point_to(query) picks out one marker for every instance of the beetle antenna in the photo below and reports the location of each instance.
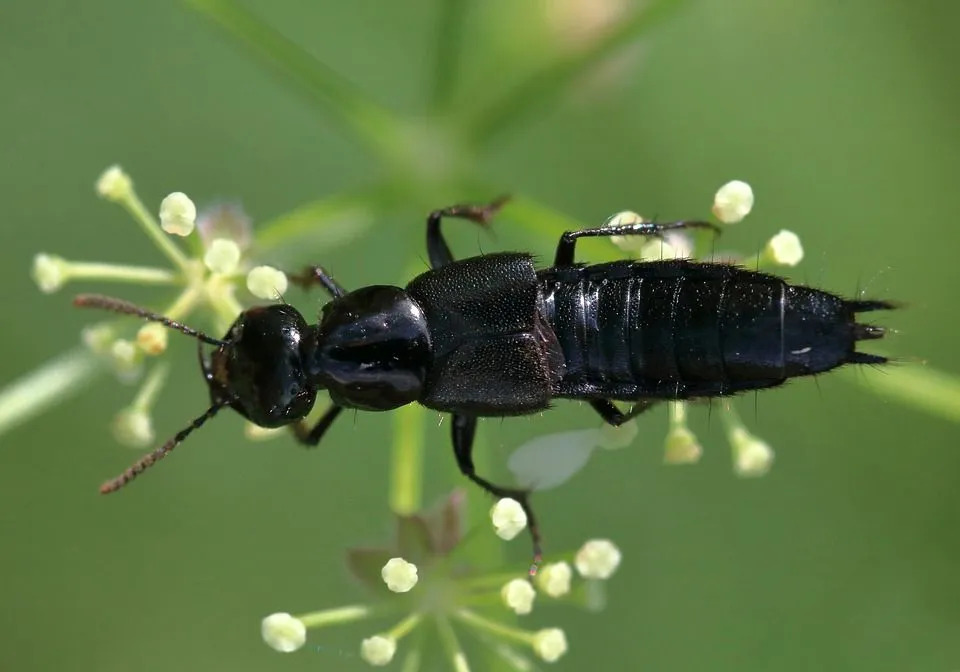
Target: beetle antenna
(155, 456)
(121, 306)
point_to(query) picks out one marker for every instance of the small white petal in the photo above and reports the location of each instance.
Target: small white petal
(99, 338)
(152, 338)
(178, 214)
(733, 201)
(378, 650)
(681, 447)
(785, 248)
(133, 427)
(549, 644)
(626, 243)
(283, 632)
(518, 594)
(597, 559)
(114, 184)
(266, 282)
(508, 518)
(399, 575)
(551, 459)
(618, 437)
(222, 256)
(554, 579)
(751, 456)
(49, 272)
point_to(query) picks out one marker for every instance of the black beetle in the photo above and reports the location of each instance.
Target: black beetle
(494, 336)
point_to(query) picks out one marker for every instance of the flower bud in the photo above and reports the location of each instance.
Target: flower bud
(518, 595)
(133, 427)
(681, 447)
(549, 644)
(266, 282)
(620, 436)
(733, 201)
(597, 559)
(508, 518)
(114, 184)
(178, 214)
(751, 456)
(49, 272)
(222, 256)
(283, 632)
(784, 249)
(626, 243)
(378, 650)
(399, 575)
(152, 338)
(554, 579)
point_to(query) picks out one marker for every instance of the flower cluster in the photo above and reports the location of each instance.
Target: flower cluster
(211, 280)
(443, 589)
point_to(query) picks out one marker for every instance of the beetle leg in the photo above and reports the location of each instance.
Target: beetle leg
(614, 416)
(464, 429)
(437, 248)
(317, 275)
(568, 241)
(311, 437)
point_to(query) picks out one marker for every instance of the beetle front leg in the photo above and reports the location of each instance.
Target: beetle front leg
(317, 275)
(437, 248)
(464, 430)
(568, 241)
(311, 437)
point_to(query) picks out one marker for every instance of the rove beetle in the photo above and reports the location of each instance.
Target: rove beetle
(494, 336)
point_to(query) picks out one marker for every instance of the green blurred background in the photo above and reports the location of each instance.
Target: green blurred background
(843, 117)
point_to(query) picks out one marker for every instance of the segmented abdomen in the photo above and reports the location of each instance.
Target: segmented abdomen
(678, 329)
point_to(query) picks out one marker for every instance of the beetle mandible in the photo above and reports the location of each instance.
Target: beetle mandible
(494, 336)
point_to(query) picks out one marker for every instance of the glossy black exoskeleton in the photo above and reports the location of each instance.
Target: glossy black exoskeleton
(494, 336)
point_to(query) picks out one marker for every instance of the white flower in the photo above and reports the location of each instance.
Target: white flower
(49, 272)
(554, 579)
(133, 427)
(178, 214)
(283, 632)
(733, 201)
(125, 357)
(785, 248)
(751, 456)
(626, 218)
(620, 436)
(549, 644)
(597, 559)
(378, 650)
(681, 447)
(114, 184)
(152, 338)
(518, 594)
(222, 256)
(508, 518)
(266, 282)
(399, 575)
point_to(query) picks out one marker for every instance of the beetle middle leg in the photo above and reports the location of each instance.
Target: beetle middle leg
(568, 241)
(317, 275)
(464, 430)
(437, 248)
(614, 416)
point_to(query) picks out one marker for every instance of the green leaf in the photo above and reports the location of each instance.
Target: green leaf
(366, 564)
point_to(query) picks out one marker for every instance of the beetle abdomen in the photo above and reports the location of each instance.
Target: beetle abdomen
(679, 329)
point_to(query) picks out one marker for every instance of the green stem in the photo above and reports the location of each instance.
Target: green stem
(405, 627)
(406, 461)
(922, 387)
(449, 40)
(84, 270)
(494, 628)
(458, 659)
(366, 121)
(339, 615)
(132, 203)
(46, 387)
(151, 388)
(325, 222)
(542, 87)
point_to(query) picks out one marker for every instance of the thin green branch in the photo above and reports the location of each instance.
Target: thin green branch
(46, 386)
(365, 120)
(542, 87)
(449, 39)
(916, 385)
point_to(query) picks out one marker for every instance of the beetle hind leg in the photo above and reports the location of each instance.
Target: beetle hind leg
(464, 430)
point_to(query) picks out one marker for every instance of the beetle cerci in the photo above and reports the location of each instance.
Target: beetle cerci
(495, 336)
